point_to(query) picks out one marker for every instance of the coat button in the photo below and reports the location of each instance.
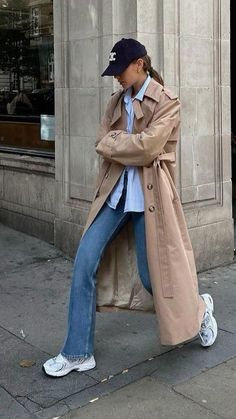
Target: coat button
(149, 186)
(113, 135)
(151, 208)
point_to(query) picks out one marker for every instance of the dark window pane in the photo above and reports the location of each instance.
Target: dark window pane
(26, 71)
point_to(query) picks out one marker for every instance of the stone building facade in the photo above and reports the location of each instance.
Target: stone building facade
(189, 43)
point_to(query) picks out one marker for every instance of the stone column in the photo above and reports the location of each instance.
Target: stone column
(77, 40)
(196, 56)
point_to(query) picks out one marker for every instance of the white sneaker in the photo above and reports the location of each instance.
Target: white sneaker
(208, 331)
(207, 298)
(60, 366)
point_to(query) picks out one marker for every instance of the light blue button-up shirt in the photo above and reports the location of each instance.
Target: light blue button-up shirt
(134, 196)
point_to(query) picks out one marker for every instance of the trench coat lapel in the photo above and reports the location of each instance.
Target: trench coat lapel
(141, 110)
(138, 112)
(143, 115)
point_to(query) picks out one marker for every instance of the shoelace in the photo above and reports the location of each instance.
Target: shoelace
(81, 360)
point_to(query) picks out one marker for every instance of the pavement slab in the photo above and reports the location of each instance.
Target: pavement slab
(33, 303)
(123, 340)
(215, 389)
(144, 399)
(9, 408)
(53, 412)
(191, 359)
(34, 296)
(18, 249)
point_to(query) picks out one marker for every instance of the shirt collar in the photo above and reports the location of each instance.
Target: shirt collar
(140, 93)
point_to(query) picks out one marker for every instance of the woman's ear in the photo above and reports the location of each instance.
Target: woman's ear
(140, 64)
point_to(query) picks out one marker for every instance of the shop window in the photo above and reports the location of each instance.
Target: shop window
(26, 75)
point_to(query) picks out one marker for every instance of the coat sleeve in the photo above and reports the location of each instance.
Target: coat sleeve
(142, 148)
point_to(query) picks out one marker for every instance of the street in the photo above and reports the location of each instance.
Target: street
(135, 376)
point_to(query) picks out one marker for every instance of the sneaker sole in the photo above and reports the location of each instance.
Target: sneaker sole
(62, 373)
(215, 328)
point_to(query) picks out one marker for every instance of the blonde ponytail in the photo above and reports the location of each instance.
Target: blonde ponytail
(147, 66)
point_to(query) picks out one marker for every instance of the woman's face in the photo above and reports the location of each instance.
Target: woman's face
(131, 75)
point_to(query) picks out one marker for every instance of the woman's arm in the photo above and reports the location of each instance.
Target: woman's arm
(142, 148)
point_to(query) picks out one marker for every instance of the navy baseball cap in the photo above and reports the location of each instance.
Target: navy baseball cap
(122, 54)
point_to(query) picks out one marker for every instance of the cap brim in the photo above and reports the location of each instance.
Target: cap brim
(113, 70)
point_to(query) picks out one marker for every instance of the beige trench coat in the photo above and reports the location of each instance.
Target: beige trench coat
(151, 147)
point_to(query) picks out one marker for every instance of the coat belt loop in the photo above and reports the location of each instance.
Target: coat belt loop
(167, 156)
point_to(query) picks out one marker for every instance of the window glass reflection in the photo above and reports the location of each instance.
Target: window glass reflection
(26, 58)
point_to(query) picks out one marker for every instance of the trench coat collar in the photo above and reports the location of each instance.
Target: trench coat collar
(153, 92)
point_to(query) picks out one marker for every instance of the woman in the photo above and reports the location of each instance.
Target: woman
(137, 140)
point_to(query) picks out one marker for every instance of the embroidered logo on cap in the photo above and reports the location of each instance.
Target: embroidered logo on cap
(112, 56)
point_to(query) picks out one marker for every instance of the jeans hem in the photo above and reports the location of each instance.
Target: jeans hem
(76, 357)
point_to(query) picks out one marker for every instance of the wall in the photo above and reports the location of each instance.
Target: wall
(189, 43)
(27, 192)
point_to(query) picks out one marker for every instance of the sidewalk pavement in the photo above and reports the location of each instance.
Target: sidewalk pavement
(135, 377)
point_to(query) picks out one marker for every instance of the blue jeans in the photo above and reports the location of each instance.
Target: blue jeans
(82, 308)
